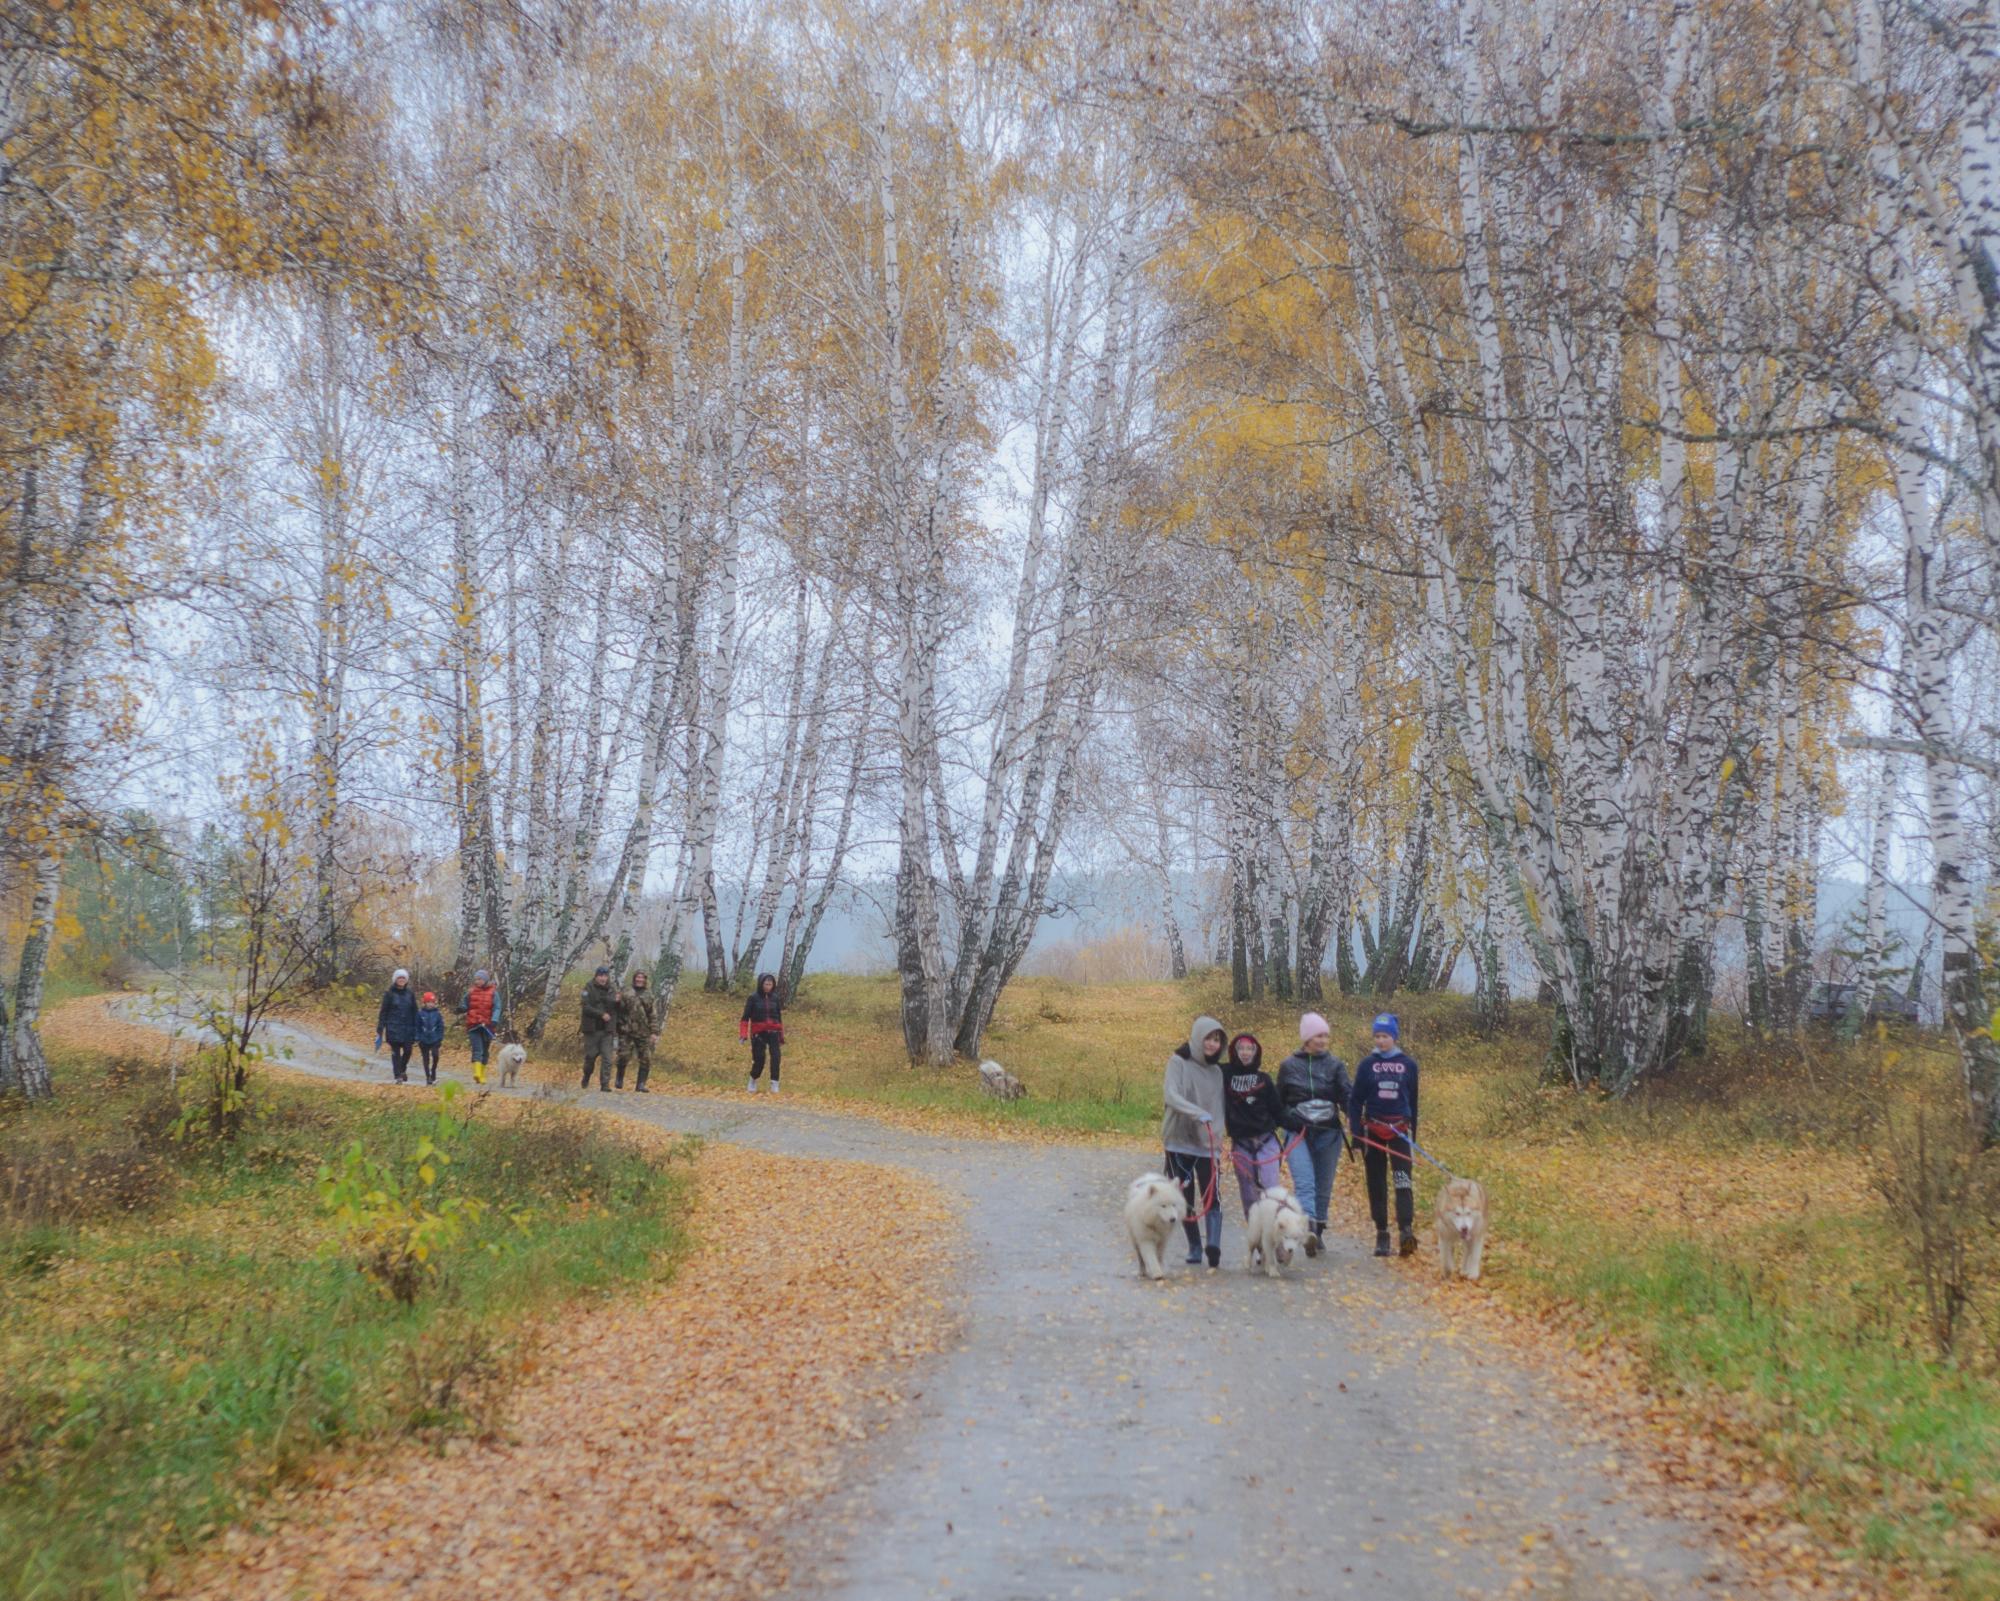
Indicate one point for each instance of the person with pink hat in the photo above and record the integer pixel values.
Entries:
(1312, 1088)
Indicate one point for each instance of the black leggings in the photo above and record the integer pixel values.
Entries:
(430, 1056)
(399, 1058)
(1379, 1166)
(762, 1045)
(1196, 1177)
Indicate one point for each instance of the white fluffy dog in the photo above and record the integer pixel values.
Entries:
(1276, 1227)
(1461, 1225)
(513, 1056)
(1154, 1207)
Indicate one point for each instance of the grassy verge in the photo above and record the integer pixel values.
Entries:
(182, 1330)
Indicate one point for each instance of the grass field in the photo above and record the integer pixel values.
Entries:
(183, 1329)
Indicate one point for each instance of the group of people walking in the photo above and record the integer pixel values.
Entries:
(620, 1028)
(1216, 1086)
(407, 1023)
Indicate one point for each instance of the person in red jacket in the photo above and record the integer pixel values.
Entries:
(483, 1013)
(763, 1026)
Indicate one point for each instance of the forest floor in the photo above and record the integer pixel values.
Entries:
(1716, 1251)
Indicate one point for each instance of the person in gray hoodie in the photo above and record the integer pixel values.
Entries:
(1191, 1130)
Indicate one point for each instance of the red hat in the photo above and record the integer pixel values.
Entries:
(430, 999)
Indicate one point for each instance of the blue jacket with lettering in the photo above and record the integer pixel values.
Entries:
(1385, 1087)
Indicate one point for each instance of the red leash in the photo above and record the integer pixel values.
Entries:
(1246, 1163)
(1360, 1138)
(1214, 1173)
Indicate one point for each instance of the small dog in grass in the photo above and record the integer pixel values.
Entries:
(1461, 1223)
(1276, 1227)
(513, 1055)
(1153, 1210)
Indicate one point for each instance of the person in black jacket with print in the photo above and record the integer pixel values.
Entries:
(763, 1026)
(1383, 1113)
(1250, 1114)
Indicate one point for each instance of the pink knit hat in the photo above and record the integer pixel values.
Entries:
(1309, 1025)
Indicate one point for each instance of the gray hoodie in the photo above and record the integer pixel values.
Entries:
(1193, 1093)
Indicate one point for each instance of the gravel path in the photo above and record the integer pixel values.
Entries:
(1091, 1435)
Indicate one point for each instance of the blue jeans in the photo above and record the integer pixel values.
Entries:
(1315, 1159)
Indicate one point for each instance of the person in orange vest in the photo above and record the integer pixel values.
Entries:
(482, 1012)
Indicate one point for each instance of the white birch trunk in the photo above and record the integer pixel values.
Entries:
(28, 1064)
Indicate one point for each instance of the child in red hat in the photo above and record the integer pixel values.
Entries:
(430, 1035)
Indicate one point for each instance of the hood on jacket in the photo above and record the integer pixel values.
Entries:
(1203, 1027)
(1235, 1066)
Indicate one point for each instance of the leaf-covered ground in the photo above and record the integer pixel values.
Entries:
(665, 1440)
(1718, 1244)
(184, 1331)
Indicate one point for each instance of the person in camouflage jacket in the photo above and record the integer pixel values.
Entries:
(638, 1030)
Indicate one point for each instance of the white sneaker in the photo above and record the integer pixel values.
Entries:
(774, 1086)
(751, 1086)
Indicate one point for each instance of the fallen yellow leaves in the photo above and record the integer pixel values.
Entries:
(665, 1437)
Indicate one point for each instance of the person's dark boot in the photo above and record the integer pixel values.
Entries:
(1313, 1243)
(1381, 1242)
(1215, 1256)
(586, 1078)
(1408, 1245)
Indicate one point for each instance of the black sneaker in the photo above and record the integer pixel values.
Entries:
(1409, 1243)
(1215, 1256)
(640, 1089)
(1312, 1243)
(1381, 1242)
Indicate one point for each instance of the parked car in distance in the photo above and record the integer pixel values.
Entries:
(1829, 1003)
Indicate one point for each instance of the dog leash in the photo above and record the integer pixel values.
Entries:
(1247, 1164)
(1214, 1160)
(1361, 1138)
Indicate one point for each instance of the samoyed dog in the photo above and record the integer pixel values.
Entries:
(1154, 1207)
(513, 1056)
(1276, 1228)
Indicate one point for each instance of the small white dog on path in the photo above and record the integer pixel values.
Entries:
(1153, 1210)
(1276, 1228)
(513, 1056)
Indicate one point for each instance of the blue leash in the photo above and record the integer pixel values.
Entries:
(1426, 1155)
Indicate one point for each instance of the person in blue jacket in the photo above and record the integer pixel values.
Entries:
(430, 1035)
(396, 1022)
(1382, 1112)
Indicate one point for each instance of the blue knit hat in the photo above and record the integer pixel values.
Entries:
(1387, 1024)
